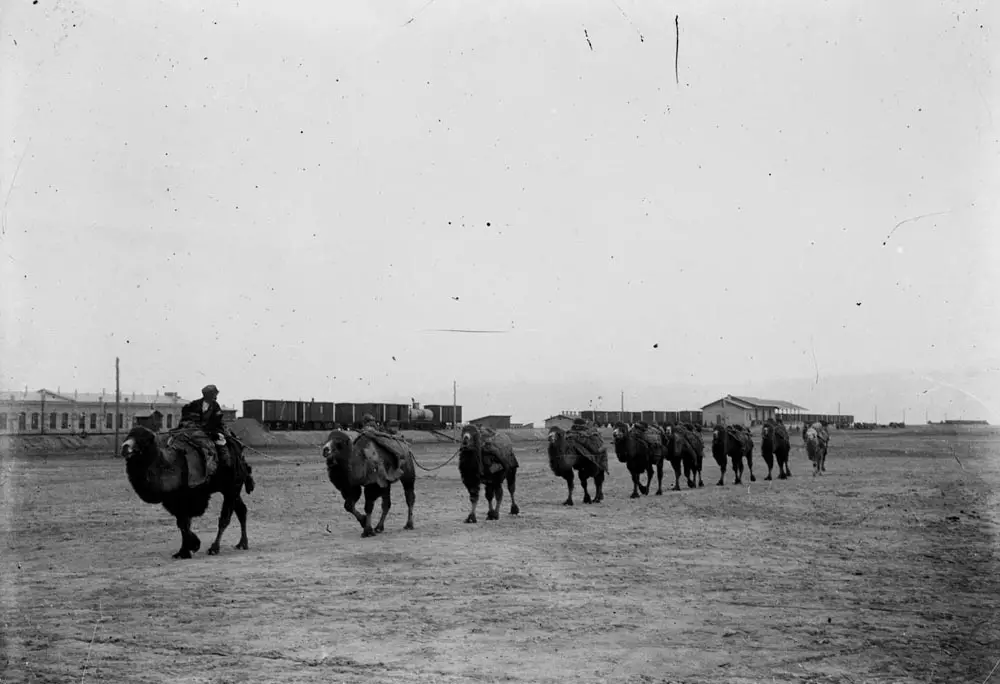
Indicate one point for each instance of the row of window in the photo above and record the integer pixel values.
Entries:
(62, 420)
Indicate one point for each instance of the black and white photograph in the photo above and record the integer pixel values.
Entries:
(447, 341)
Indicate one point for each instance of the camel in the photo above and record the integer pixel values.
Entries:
(736, 442)
(370, 463)
(685, 447)
(817, 440)
(568, 453)
(641, 448)
(487, 457)
(161, 466)
(774, 445)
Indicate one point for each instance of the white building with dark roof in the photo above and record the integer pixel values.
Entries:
(62, 413)
(750, 411)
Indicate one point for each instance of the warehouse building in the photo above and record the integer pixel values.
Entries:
(561, 420)
(496, 422)
(46, 412)
(751, 411)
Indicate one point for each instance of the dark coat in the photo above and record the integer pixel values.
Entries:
(210, 420)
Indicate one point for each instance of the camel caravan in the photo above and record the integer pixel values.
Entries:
(181, 469)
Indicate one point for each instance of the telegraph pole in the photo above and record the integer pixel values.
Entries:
(42, 424)
(454, 408)
(118, 398)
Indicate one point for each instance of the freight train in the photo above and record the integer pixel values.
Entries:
(324, 415)
(653, 417)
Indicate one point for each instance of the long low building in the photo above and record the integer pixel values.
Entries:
(46, 412)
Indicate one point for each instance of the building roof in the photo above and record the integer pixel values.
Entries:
(560, 415)
(755, 402)
(489, 416)
(89, 397)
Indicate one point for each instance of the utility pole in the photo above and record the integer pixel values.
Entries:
(454, 408)
(41, 393)
(623, 401)
(118, 398)
(876, 414)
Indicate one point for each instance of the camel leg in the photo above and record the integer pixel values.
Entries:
(225, 516)
(372, 493)
(635, 486)
(722, 470)
(189, 540)
(569, 487)
(659, 477)
(586, 492)
(495, 491)
(599, 485)
(386, 505)
(649, 479)
(351, 498)
(511, 487)
(241, 514)
(737, 469)
(769, 462)
(409, 491)
(753, 478)
(473, 502)
(675, 464)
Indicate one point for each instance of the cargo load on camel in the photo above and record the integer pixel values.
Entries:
(688, 434)
(496, 456)
(586, 442)
(395, 446)
(198, 449)
(652, 435)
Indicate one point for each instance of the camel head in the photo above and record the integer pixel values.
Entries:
(620, 431)
(471, 437)
(337, 447)
(140, 440)
(557, 436)
(766, 432)
(718, 433)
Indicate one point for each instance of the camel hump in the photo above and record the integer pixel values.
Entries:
(394, 451)
(198, 451)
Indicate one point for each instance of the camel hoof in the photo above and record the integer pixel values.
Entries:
(701, 484)
(242, 545)
(753, 478)
(599, 499)
(720, 483)
(408, 525)
(213, 550)
(659, 492)
(183, 553)
(587, 499)
(194, 543)
(766, 478)
(514, 510)
(369, 532)
(492, 515)
(645, 491)
(471, 518)
(635, 495)
(568, 502)
(380, 528)
(675, 488)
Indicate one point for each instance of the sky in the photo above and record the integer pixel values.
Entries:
(292, 200)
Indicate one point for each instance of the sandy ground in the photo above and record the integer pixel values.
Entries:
(886, 569)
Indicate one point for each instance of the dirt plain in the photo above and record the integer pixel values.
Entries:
(886, 569)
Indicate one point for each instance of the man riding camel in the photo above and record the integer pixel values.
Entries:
(207, 414)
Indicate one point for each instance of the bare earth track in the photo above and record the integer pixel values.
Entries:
(886, 569)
